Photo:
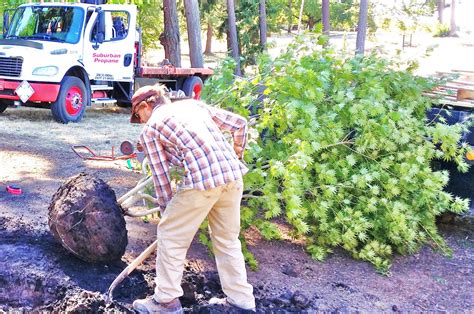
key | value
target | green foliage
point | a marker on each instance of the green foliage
(204, 238)
(246, 14)
(406, 16)
(247, 18)
(150, 20)
(8, 5)
(248, 256)
(345, 15)
(341, 151)
(441, 30)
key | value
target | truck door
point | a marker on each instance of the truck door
(109, 43)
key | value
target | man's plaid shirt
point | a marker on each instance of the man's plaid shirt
(189, 134)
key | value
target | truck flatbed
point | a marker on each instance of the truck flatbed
(458, 92)
(152, 71)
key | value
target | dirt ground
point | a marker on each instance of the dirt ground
(38, 274)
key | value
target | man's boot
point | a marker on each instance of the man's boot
(150, 305)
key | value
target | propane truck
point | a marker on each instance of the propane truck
(67, 56)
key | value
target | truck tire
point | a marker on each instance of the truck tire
(192, 87)
(3, 106)
(71, 102)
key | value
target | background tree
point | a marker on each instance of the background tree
(232, 38)
(170, 38)
(300, 16)
(440, 5)
(210, 16)
(191, 8)
(362, 27)
(290, 16)
(150, 23)
(248, 26)
(343, 15)
(407, 16)
(263, 24)
(325, 14)
(452, 30)
(312, 13)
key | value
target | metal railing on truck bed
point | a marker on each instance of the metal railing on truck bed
(454, 101)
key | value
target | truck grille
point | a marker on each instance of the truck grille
(10, 66)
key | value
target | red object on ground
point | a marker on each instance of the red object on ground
(79, 150)
(14, 189)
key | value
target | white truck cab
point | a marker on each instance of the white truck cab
(67, 56)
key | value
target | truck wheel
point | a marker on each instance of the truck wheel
(71, 102)
(3, 106)
(192, 87)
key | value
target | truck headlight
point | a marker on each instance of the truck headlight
(46, 71)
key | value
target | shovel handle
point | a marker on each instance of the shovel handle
(131, 267)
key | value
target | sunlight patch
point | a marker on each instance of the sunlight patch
(18, 165)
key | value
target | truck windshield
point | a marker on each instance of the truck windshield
(48, 23)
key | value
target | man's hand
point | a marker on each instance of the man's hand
(139, 147)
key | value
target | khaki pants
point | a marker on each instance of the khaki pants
(180, 222)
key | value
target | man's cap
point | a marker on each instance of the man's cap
(143, 93)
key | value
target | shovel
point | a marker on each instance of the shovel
(131, 267)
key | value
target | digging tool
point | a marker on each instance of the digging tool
(131, 267)
(126, 201)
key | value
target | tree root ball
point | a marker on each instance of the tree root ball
(86, 219)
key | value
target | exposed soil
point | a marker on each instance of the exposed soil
(38, 274)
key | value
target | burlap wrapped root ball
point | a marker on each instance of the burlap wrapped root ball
(86, 219)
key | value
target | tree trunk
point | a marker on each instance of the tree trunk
(362, 26)
(232, 38)
(263, 25)
(440, 11)
(325, 16)
(209, 34)
(301, 15)
(311, 22)
(452, 31)
(191, 8)
(290, 17)
(170, 39)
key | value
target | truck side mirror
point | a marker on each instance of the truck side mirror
(101, 27)
(6, 22)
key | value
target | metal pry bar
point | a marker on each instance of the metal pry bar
(131, 267)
